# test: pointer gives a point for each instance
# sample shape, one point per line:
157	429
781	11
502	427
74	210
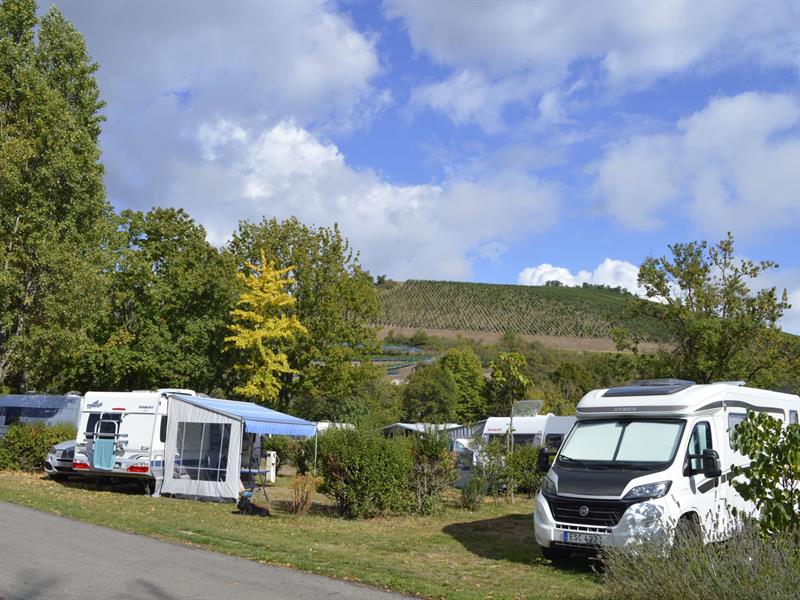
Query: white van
645	459
132	424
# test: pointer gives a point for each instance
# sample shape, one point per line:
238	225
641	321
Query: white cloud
731	166
403	231
517	49
176	77
611	272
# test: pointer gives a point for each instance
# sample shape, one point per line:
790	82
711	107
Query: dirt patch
575	344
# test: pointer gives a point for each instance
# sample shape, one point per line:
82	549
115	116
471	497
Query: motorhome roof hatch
649	387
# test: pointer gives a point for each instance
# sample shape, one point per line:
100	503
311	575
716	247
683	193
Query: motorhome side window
733	422
700	440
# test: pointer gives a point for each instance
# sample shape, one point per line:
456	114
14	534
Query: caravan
122	434
646	459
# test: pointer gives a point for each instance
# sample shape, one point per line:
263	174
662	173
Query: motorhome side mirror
711	464
543	463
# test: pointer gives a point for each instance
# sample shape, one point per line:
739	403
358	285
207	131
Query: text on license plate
576	537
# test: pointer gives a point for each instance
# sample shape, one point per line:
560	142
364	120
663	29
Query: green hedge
365	473
25	446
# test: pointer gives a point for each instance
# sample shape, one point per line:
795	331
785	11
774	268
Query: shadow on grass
508	538
104	484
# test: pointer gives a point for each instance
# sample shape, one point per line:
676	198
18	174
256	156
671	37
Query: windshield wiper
627	465
574	461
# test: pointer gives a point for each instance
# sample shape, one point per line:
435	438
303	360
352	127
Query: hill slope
525	310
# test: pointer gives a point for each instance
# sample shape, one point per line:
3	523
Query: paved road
50	557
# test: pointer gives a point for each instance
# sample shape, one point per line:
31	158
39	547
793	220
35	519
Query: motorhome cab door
700	494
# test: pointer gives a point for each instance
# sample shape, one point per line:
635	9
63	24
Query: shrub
25	446
432	469
472	493
280	445
364	472
303	489
772	479
493	466
301	455
522	470
746	566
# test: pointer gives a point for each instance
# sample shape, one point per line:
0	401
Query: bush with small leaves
25	446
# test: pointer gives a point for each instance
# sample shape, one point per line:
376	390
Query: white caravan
644	459
122	434
541	430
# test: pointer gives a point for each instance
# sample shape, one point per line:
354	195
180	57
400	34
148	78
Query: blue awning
257	419
51	401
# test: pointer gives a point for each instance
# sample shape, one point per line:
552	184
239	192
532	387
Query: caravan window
106	427
203	449
792	417
733	422
162	434
700	440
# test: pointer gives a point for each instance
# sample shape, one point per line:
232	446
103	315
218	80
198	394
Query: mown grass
460	555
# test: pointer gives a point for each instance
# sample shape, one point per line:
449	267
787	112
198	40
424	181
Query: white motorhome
645	459
132	426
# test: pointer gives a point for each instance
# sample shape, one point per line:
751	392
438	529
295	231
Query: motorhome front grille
599	513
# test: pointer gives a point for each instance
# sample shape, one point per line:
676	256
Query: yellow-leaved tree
262	327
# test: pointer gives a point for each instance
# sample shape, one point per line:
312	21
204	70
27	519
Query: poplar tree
54	217
261	327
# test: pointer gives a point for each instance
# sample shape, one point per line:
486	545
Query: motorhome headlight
549	486
649	491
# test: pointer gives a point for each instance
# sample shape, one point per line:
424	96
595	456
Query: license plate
576	537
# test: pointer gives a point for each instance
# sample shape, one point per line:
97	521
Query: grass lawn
460	555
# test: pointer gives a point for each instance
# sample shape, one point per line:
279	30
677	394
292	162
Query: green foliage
279	444
432	469
262	327
465	367
300	454
508	384
335	300
54	218
746	566
25	446
472	493
365	473
518	309
493	465
169	298
430	396
718	328
522	463
772	480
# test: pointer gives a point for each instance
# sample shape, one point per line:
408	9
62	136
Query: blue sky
498	142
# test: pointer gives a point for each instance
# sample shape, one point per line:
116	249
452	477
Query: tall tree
719	328
54	218
431	395
335	300
261	327
508	384
465	367
170	296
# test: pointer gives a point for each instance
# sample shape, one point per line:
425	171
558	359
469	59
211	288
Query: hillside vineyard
588	312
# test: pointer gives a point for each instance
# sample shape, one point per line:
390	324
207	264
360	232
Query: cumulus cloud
611	272
730	166
169	71
402	230
519	48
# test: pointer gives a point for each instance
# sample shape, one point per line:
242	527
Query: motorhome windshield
618	442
